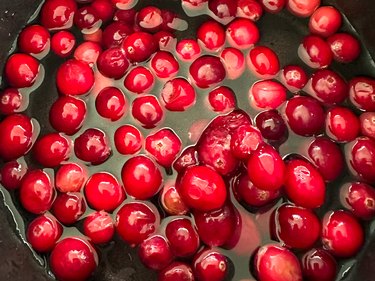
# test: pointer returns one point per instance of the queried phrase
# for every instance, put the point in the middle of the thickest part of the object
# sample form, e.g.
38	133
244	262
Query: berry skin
70	177
178	94
128	139
207	71
177	271
210	265
325	21
12	173
111	103
21	70
68	207
318	264
58	14
242	33
99	227
34	39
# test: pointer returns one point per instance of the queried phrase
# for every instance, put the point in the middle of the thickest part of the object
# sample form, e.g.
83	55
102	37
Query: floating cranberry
178	94
114	34
302	8
267	94
223	9
188	49
342	124
112	63
21	70
193	3
93	36
43	232
315	52
242	33
126	16
104	9
12	173
362	93
325	21
11	101
147	111
211	35
87	19
164	65
62	43
272	125
187	158
111	103
273	6
124	4
139	46
244	141
318	264
165	40
73	259
139	80
149	18
92	146
128	139
263	62
222	99
70	177
210	265
234	62
88	52
367	120
250	9
171	200
135	221
68	207
176	271
58	14
345	47
294	77
207	71
155	252
99	227
16	136
33	39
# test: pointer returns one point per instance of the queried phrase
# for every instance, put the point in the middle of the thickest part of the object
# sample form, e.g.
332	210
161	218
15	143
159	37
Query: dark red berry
273	6
104	9
234	62
155	252
115	33
244	141
149	18
207	71
210	265
112	63
250	9
11	101
68	207
318	264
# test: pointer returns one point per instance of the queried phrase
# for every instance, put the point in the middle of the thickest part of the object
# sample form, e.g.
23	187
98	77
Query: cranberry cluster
225	187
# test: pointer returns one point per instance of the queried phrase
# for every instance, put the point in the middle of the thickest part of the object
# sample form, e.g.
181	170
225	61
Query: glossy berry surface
62	43
58	14
34	39
178	94
210	265
147	110
68	207
362	93
111	103
342	124
11	101
325	21
155	252
318	264
207	71
21	70
211	35
70	177
267	94
263	62
177	271
99	227
344	46
315	52
11	174
242	33
128	139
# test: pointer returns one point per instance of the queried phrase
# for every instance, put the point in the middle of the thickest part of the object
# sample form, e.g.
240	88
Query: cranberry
210	265
342	124
367	120
58	14
294	77
92	146
43	232
104	9
73	258
141	177
250	9
128	139
62	43
149	18
242	33
67	114
99	227
36	192
304	185
267	94
345	47
305	115
126	16
234	62
16	136
69	207
88	52
207	71
302	8
244	141
87	19
211	35
21	70
139	46
187	158
222	99
263	62
193	3
74	78
11	101
362	93
273	262
273	6
34	39
223	9
176	271
266	168
171	21
139	80
114	34
315	52
112	63
111	103
135	221
360	158
329	87
318	264
124	4
155	252
178	94
271	125
359	198
342	234
325	21
93	36
164	64
171	200
147	111
188	49
12	173
70	177
165	40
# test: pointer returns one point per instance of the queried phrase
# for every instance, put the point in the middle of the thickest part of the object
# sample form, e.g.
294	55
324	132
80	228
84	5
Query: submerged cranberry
176	271
207	71
21	70
211	35
178	94
263	62
111	103
68	207
325	21
147	110
164	64
271	125
58	14
99	227
315	52
139	80
155	252
318	264
12	173
210	265
267	94
345	47
128	139
342	125
139	46
11	101
87	19
33	39
362	93
70	177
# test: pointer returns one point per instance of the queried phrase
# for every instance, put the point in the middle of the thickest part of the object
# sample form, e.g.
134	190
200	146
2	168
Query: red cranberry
87	19
171	200
207	71
112	63
302	8
190	4
10	101
327	158
73	259
114	34
187	158
188	49
92	146
69	207
16	136
111	103
361	158
43	232
345	47
99	227
234	62
342	234
359	198
67	114
367	120
62	43
135	221
242	33
294	77
177	271
141	177
155	252
21	70
58	14
88	52
52	149
124	4
74	78
104	9
315	52
304	186
210	265
273	6
273	262
329	87
139	80
12	173
165	40
70	177
33	39
267	94
250	9
362	93
318	264
222	99
271	125
104	192
211	35
325	21
342	124
149	18
128	139
139	46
147	111
164	64
266	168
94	36
36	192
263	62
244	141
127	16
178	94
223	9
305	115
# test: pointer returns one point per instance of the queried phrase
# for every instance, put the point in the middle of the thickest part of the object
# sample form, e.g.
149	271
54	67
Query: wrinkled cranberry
223	9
99	227
68	207
207	71
21	70
147	110
273	6
325	21
188	157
